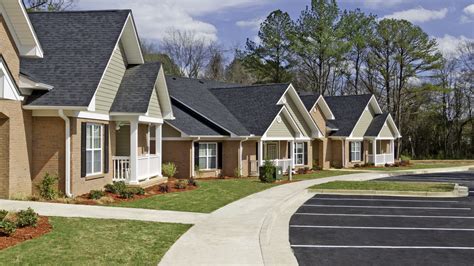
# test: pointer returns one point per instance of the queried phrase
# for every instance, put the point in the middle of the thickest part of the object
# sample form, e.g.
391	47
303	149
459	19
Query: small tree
267	172
169	169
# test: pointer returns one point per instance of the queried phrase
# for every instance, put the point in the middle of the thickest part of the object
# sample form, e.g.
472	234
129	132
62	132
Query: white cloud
379	3
251	23
448	45
419	14
468	14
154	18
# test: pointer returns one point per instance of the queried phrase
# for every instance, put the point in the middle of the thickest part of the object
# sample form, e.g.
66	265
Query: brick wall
230	157
178	152
8	50
4	155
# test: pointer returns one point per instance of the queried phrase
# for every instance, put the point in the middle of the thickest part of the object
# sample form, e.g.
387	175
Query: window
94	152
299	153
356	151
207	156
271	152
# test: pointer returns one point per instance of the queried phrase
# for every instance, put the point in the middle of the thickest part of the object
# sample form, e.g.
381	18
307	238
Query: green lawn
322	174
213	194
417	166
210	196
80	241
387	186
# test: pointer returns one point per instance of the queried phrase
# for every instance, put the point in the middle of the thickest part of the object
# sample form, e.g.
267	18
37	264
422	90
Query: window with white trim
299	153
94	149
356	153
207	156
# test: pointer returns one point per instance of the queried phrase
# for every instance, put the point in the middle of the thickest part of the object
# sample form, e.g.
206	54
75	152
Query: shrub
237	173
7	227
267	172
3	213
164	188
192	182
127	194
115	187
307	170
106	200
136	190
169	169
181	184
405	157
48	187
300	171
96	194
356	165
27	217
317	168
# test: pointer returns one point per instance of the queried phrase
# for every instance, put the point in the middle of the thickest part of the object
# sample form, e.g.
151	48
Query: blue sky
231	22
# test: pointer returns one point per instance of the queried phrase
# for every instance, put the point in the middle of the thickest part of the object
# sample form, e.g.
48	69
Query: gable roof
376	125
309	99
254	106
73	66
136	88
347	111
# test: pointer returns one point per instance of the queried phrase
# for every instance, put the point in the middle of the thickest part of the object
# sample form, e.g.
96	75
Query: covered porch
138	150
381	152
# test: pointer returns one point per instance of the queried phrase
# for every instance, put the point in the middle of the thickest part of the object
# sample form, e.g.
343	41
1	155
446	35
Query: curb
458	192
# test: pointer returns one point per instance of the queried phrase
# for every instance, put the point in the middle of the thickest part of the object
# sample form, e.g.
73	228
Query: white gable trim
163	96
378	110
287	115
8	87
389	120
321	102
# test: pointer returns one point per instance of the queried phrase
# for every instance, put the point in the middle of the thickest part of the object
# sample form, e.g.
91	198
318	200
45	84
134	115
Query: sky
231	22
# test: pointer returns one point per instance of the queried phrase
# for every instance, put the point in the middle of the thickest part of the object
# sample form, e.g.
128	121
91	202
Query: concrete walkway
101	212
253	230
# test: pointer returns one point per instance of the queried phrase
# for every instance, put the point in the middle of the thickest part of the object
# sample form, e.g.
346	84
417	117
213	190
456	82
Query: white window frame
299	153
277	145
356	149
207	156
95	149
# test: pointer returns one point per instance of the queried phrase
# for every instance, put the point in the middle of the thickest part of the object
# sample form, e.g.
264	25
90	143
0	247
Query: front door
271	151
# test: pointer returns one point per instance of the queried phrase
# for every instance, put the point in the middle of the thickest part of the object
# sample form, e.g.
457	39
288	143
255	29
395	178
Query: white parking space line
394	200
383	215
382	228
382	247
387	207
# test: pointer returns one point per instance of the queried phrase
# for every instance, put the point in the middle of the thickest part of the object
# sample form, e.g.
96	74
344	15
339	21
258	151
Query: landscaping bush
169	169
164	188
267	172
192	182
7	227
116	187
127	193
48	187
3	213
96	194
181	184
317	168
356	165
137	190
237	173
300	171
27	217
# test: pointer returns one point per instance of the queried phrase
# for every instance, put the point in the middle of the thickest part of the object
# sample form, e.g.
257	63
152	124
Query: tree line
331	51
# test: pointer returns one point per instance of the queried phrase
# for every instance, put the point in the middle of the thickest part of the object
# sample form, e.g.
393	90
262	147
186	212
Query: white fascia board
392	123
27	83
147	119
90	115
9	89
354	139
176	139
307	116
276	138
65	108
135	39
164	96
288	116
325	108
373	101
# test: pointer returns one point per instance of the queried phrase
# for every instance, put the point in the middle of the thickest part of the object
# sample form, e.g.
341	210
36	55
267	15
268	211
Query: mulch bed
26	233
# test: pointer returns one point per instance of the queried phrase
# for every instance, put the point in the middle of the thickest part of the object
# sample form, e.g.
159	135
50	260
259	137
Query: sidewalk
253	230
85	211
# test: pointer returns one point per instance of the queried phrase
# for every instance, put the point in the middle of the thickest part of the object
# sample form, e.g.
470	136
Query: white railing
283	163
121	168
381	158
148	166
253	168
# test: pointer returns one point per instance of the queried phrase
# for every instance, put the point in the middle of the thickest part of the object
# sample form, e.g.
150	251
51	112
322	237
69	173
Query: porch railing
283	163
121	168
381	158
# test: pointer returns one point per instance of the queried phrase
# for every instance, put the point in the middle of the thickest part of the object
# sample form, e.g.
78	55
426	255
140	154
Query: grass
387	186
417	166
213	194
210	196
80	241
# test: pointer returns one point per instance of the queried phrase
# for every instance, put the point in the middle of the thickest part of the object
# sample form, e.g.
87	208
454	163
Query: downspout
67	123
240	154
193	172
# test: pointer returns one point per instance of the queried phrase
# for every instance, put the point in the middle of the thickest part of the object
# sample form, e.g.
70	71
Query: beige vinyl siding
280	129
154	109
110	83
297	116
387	132
363	124
319	118
169	132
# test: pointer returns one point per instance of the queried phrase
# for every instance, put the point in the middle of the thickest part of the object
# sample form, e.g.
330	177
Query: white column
148	140
374	150
392	151
292	159
158	143
133	151
260	153
240	157
343	145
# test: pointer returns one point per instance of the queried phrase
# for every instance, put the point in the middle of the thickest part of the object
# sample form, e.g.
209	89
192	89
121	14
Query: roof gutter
240	155
192	156
67	123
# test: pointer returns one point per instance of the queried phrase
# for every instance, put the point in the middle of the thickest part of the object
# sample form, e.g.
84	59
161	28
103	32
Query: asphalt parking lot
366	230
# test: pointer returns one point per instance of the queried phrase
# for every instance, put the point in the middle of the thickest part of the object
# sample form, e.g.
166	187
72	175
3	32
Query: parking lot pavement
365	230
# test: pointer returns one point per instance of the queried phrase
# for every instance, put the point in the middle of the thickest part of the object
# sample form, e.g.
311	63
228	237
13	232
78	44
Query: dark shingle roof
308	99
254	106
136	88
376	125
347	111
195	94
77	47
191	123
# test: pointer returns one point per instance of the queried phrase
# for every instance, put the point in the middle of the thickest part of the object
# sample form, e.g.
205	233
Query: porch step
151	182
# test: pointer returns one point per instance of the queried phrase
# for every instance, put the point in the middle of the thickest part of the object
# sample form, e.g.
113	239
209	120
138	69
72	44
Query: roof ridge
250	86
352	95
79	11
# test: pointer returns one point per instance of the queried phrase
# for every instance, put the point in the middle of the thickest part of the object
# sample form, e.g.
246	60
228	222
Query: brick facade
179	152
9	51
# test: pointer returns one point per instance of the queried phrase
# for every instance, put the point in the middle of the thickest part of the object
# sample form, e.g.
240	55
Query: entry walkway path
85	211
253	230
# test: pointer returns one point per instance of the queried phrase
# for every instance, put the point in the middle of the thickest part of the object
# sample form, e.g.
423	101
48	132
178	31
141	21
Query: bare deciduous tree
48	5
